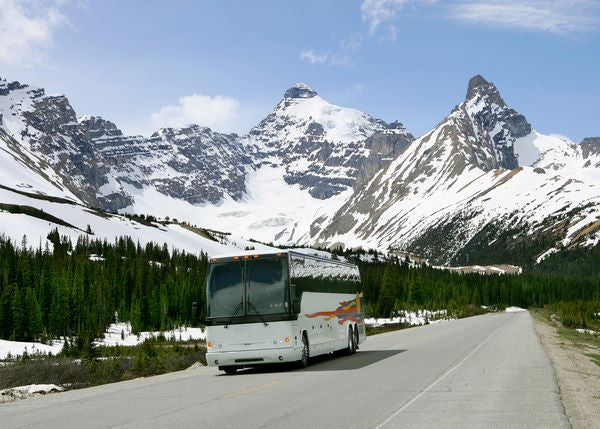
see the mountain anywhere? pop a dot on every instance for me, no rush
(324, 148)
(105, 168)
(458, 194)
(307, 149)
(483, 186)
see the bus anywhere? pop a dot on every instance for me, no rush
(284, 306)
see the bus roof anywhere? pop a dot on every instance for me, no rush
(256, 254)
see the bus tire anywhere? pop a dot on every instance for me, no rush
(356, 346)
(230, 370)
(351, 348)
(303, 362)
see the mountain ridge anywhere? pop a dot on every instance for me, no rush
(451, 184)
(314, 173)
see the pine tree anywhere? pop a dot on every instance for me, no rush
(415, 294)
(387, 295)
(33, 315)
(19, 322)
(6, 312)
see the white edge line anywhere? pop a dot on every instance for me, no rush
(446, 374)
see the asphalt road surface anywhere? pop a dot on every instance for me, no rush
(482, 372)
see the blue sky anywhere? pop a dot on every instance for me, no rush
(143, 64)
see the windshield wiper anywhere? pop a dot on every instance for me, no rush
(256, 311)
(235, 312)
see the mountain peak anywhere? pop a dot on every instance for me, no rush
(590, 145)
(475, 83)
(300, 90)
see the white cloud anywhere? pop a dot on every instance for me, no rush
(219, 112)
(341, 56)
(27, 28)
(312, 57)
(550, 16)
(377, 12)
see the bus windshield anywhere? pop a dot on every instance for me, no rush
(225, 289)
(266, 289)
(249, 287)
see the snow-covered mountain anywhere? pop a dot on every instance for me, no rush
(33, 215)
(459, 189)
(322, 147)
(482, 184)
(307, 150)
(106, 169)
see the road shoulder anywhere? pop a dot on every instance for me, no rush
(578, 376)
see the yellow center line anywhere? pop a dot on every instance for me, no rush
(251, 389)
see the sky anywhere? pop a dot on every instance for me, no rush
(225, 64)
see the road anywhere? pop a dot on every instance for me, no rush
(487, 371)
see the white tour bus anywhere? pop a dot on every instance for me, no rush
(280, 307)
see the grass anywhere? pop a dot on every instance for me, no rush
(586, 342)
(374, 330)
(101, 365)
(595, 357)
(577, 338)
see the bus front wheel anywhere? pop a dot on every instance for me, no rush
(230, 370)
(303, 362)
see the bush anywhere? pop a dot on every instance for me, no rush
(105, 365)
(578, 314)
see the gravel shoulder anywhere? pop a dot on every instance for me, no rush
(577, 374)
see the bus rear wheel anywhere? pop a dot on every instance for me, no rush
(351, 343)
(230, 370)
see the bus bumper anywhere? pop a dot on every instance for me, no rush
(253, 357)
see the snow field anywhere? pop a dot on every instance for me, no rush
(18, 348)
(112, 337)
(412, 318)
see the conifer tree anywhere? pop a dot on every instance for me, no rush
(33, 316)
(19, 322)
(387, 295)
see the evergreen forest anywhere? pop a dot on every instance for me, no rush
(78, 289)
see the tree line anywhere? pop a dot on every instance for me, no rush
(395, 285)
(78, 289)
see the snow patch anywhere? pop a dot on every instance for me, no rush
(412, 318)
(18, 348)
(120, 334)
(24, 392)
